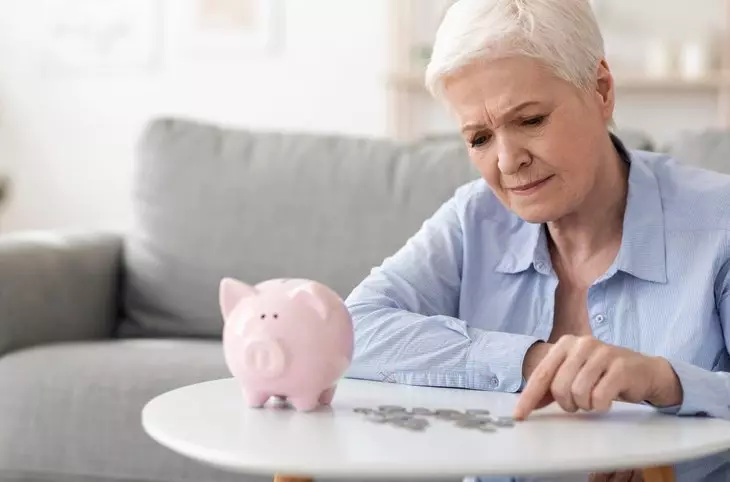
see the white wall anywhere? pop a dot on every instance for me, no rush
(629, 27)
(68, 140)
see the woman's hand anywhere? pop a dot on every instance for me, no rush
(582, 373)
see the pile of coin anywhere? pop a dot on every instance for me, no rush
(418, 418)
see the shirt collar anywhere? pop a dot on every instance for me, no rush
(643, 243)
(643, 251)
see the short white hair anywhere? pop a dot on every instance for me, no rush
(563, 34)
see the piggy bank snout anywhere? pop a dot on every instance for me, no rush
(264, 357)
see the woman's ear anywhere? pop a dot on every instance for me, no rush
(605, 90)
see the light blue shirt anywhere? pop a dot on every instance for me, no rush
(462, 301)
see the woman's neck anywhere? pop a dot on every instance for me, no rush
(588, 240)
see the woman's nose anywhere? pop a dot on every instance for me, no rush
(512, 156)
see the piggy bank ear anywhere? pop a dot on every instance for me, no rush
(230, 293)
(308, 293)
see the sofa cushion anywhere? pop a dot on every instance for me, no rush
(76, 407)
(71, 412)
(211, 202)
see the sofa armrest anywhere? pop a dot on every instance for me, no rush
(58, 287)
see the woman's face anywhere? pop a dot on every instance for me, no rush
(536, 139)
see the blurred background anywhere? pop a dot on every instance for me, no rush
(79, 79)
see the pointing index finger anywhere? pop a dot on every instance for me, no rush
(538, 386)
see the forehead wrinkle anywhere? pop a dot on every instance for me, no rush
(505, 110)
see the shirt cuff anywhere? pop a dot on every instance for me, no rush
(503, 355)
(704, 392)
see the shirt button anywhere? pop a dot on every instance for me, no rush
(493, 382)
(600, 318)
(540, 266)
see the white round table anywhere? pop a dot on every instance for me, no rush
(210, 423)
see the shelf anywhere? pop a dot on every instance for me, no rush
(710, 82)
(407, 81)
(415, 82)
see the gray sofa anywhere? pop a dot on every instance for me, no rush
(93, 325)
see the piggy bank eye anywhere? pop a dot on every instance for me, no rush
(263, 316)
(276, 315)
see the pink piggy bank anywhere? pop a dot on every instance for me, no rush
(289, 338)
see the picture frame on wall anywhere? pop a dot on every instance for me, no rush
(222, 26)
(94, 37)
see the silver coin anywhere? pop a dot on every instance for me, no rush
(447, 414)
(391, 408)
(278, 400)
(477, 411)
(416, 424)
(375, 418)
(421, 411)
(468, 423)
(398, 417)
(483, 418)
(446, 411)
(363, 410)
(503, 421)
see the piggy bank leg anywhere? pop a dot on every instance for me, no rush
(255, 399)
(326, 397)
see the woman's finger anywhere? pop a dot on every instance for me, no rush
(538, 386)
(589, 376)
(609, 387)
(562, 386)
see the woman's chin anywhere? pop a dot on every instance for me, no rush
(538, 213)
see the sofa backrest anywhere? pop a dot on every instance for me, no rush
(708, 149)
(211, 201)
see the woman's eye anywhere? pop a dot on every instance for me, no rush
(479, 141)
(534, 121)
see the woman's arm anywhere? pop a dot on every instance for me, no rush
(706, 392)
(406, 318)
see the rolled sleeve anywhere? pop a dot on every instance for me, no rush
(503, 354)
(704, 392)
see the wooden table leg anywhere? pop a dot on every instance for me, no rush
(659, 474)
(286, 478)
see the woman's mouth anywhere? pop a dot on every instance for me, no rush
(530, 188)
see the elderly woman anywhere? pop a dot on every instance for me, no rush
(575, 271)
